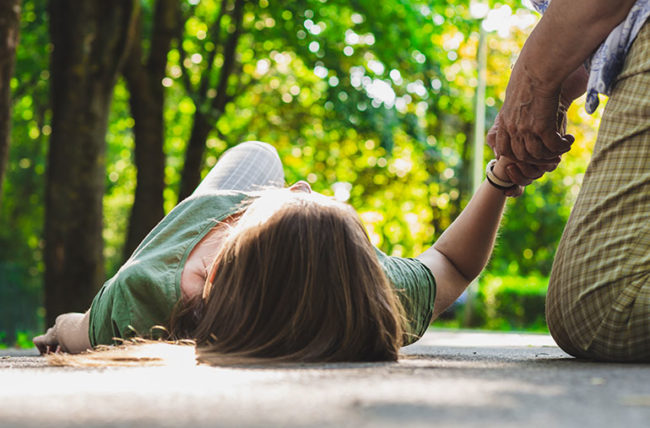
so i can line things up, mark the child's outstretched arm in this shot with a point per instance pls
(464, 249)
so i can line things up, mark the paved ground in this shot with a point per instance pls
(447, 379)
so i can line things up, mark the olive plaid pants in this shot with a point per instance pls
(598, 303)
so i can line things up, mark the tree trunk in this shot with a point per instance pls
(209, 109)
(191, 175)
(144, 81)
(89, 38)
(9, 30)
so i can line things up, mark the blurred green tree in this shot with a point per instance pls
(89, 43)
(144, 71)
(21, 213)
(9, 31)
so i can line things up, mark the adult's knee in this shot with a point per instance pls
(557, 319)
(610, 322)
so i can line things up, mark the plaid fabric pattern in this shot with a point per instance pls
(598, 303)
(249, 166)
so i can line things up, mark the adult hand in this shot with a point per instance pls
(527, 130)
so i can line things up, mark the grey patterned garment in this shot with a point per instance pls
(607, 61)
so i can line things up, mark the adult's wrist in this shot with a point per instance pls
(567, 34)
(533, 73)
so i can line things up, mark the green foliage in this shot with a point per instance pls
(514, 302)
(24, 339)
(120, 178)
(19, 339)
(502, 303)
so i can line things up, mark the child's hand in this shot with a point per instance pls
(48, 342)
(500, 171)
(69, 334)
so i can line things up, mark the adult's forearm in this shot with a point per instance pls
(567, 34)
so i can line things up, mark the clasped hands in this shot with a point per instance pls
(530, 129)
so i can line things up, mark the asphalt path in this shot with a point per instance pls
(447, 379)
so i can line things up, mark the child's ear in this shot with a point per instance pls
(300, 186)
